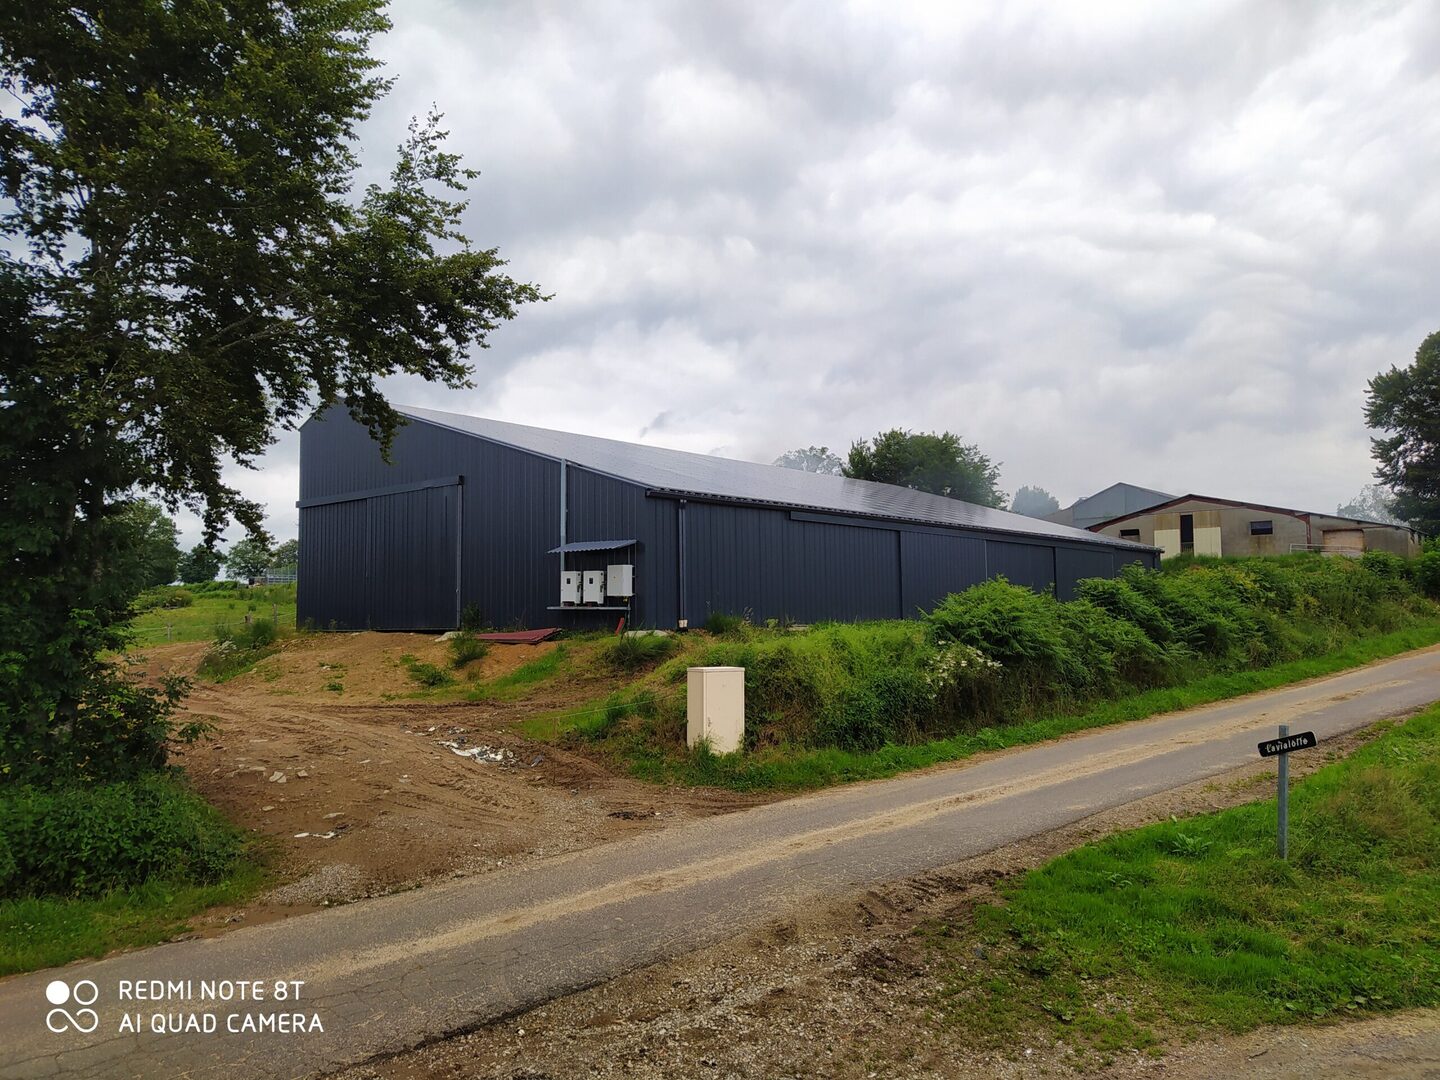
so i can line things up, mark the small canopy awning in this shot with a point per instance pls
(591, 545)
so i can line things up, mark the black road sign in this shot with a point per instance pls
(1302, 741)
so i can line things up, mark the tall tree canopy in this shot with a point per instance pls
(1404, 405)
(185, 267)
(247, 558)
(938, 463)
(1373, 503)
(815, 459)
(1033, 501)
(199, 564)
(286, 556)
(155, 542)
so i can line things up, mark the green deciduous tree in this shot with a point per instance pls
(814, 459)
(197, 565)
(1404, 405)
(938, 463)
(247, 558)
(154, 542)
(286, 556)
(184, 268)
(1034, 502)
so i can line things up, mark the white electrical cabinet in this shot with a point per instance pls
(620, 580)
(570, 587)
(594, 587)
(715, 707)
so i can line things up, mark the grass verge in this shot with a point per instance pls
(793, 769)
(515, 683)
(88, 869)
(1196, 924)
(45, 931)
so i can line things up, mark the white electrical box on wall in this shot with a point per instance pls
(620, 580)
(594, 587)
(570, 587)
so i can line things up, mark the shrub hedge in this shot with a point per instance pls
(998, 653)
(85, 841)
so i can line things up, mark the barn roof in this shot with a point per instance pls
(678, 472)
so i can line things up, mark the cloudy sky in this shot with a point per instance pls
(1160, 243)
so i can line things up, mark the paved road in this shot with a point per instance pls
(388, 974)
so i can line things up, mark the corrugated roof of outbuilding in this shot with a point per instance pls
(680, 472)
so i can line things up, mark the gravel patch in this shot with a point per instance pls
(333, 883)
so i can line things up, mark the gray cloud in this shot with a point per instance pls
(1116, 241)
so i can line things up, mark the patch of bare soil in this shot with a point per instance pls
(847, 991)
(351, 669)
(362, 798)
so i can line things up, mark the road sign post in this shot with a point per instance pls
(1282, 832)
(1282, 748)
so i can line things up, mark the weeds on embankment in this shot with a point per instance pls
(999, 665)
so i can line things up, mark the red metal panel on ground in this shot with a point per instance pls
(521, 637)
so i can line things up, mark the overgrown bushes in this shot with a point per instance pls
(238, 649)
(465, 647)
(635, 652)
(88, 840)
(998, 653)
(166, 597)
(122, 728)
(425, 674)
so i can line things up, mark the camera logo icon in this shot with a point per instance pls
(83, 993)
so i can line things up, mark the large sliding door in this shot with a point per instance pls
(383, 561)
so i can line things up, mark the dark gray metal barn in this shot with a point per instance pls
(479, 512)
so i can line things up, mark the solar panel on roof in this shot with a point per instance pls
(680, 472)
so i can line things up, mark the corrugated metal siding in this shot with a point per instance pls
(1073, 564)
(1121, 559)
(1031, 565)
(512, 519)
(600, 506)
(509, 511)
(381, 563)
(687, 474)
(770, 562)
(334, 543)
(743, 560)
(412, 560)
(934, 566)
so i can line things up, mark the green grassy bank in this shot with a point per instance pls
(1000, 666)
(1196, 925)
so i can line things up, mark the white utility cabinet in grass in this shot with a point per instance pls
(715, 707)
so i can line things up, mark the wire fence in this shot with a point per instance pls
(192, 630)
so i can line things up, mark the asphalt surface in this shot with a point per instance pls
(388, 974)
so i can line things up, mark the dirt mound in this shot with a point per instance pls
(357, 669)
(365, 790)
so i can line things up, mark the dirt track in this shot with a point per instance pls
(357, 795)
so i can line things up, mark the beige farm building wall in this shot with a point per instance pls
(1395, 539)
(1231, 525)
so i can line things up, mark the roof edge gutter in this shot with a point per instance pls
(1097, 540)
